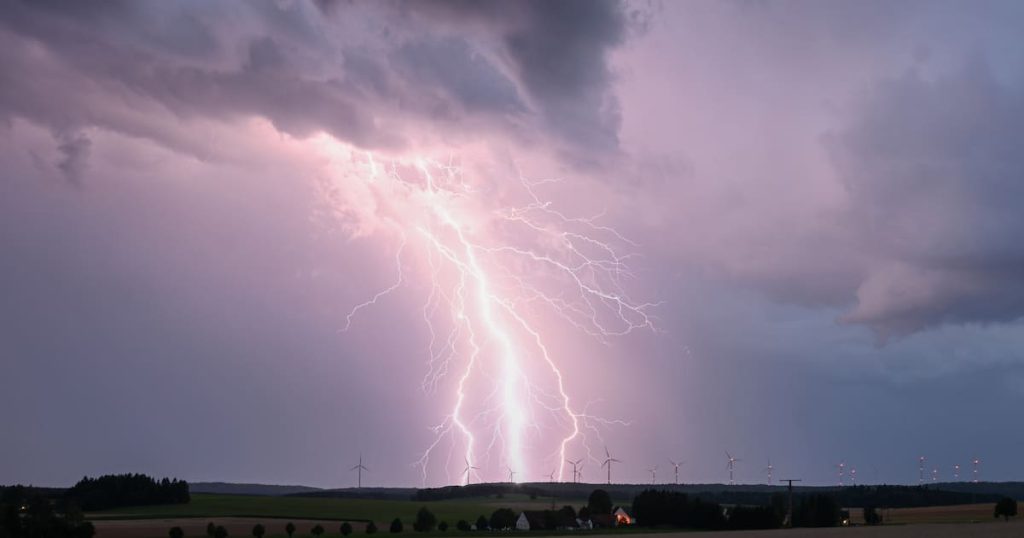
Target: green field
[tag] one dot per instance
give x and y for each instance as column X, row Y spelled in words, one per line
column 209, row 505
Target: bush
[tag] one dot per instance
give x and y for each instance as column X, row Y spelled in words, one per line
column 503, row 518
column 371, row 528
column 1006, row 508
column 481, row 523
column 259, row 530
column 290, row 529
column 600, row 502
column 442, row 526
column 425, row 520
column 753, row 517
column 396, row 525
column 673, row 509
column 346, row 528
column 176, row 532
column 220, row 532
column 317, row 530
column 819, row 510
column 871, row 516
column 462, row 525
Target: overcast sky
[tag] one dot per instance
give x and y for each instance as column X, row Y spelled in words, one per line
column 819, row 203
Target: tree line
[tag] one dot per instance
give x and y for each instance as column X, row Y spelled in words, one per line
column 654, row 508
column 115, row 491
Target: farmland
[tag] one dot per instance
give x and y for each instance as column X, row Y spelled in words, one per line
column 334, row 509
column 239, row 513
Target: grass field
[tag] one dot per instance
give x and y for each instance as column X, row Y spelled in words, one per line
column 964, row 513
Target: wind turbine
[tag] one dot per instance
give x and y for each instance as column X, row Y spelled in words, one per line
column 853, row 476
column 511, row 476
column 731, row 465
column 769, row 470
column 654, row 474
column 574, row 466
column 551, row 475
column 976, row 463
column 359, row 471
column 675, row 466
column 581, row 473
column 608, row 463
column 920, row 470
column 842, row 471
column 469, row 468
column 956, row 472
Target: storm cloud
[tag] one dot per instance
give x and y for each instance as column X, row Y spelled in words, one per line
column 364, row 72
column 823, row 198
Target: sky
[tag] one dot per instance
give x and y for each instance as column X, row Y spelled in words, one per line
column 251, row 242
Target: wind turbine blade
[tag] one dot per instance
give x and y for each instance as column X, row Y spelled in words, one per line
column 606, row 453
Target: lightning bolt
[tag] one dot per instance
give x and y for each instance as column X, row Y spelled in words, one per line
column 496, row 275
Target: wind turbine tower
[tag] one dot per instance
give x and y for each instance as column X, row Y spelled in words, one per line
column 976, row 463
column 935, row 474
column 469, row 468
column 608, row 463
column 359, row 472
column 654, row 474
column 511, row 476
column 731, row 465
column 853, row 476
column 920, row 470
column 675, row 466
column 842, row 472
column 575, row 464
column 769, row 470
column 956, row 472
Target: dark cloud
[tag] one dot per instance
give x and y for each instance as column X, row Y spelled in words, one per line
column 934, row 167
column 74, row 150
column 450, row 71
column 526, row 68
column 559, row 52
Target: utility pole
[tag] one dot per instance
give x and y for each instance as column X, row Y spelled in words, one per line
column 790, row 481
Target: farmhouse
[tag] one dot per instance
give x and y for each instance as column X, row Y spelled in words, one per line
column 530, row 519
column 544, row 520
column 621, row 517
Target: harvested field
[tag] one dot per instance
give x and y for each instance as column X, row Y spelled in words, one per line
column 157, row 528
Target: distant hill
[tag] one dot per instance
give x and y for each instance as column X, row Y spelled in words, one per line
column 1003, row 489
column 891, row 496
column 385, row 494
column 248, row 489
column 930, row 494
